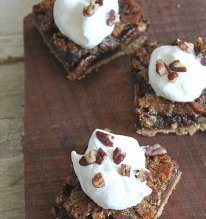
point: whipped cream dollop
(188, 85)
(119, 192)
(86, 31)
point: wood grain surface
(12, 107)
(60, 115)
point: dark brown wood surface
(60, 115)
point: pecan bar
(79, 61)
(164, 175)
(155, 114)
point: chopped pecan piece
(98, 181)
(200, 45)
(99, 2)
(155, 150)
(161, 68)
(185, 46)
(199, 105)
(202, 59)
(101, 156)
(118, 155)
(172, 76)
(165, 169)
(89, 10)
(113, 17)
(125, 170)
(104, 138)
(177, 66)
(88, 158)
(143, 175)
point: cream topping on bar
(86, 22)
(113, 182)
(175, 74)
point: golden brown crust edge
(169, 192)
(150, 211)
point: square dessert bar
(79, 61)
(156, 114)
(72, 202)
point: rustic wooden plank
(12, 90)
(12, 186)
(11, 107)
(60, 115)
(11, 27)
(11, 141)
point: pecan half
(155, 150)
(143, 175)
(125, 170)
(88, 158)
(161, 68)
(172, 76)
(113, 17)
(177, 66)
(185, 46)
(89, 10)
(104, 138)
(98, 181)
(101, 156)
(118, 155)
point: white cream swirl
(86, 31)
(120, 192)
(188, 86)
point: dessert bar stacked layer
(72, 202)
(156, 114)
(79, 61)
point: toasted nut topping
(172, 76)
(99, 2)
(113, 17)
(202, 59)
(125, 170)
(161, 68)
(155, 150)
(199, 105)
(200, 45)
(89, 10)
(88, 158)
(107, 130)
(165, 169)
(118, 155)
(101, 156)
(200, 49)
(104, 138)
(177, 66)
(143, 175)
(83, 161)
(98, 181)
(185, 46)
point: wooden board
(60, 115)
